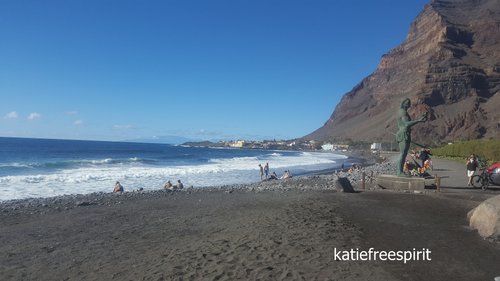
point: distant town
(306, 145)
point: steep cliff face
(448, 65)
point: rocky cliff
(448, 65)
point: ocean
(48, 167)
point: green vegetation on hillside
(485, 149)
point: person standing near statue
(403, 136)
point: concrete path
(454, 182)
(452, 173)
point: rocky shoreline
(322, 180)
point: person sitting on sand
(179, 185)
(353, 168)
(168, 186)
(286, 175)
(273, 176)
(118, 188)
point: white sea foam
(14, 165)
(99, 178)
(104, 161)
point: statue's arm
(410, 123)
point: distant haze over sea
(163, 139)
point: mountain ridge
(448, 65)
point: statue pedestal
(400, 183)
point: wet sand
(286, 233)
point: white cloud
(78, 122)
(34, 115)
(12, 115)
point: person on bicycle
(471, 168)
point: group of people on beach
(264, 173)
(410, 168)
(167, 186)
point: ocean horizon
(51, 167)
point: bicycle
(482, 180)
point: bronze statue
(403, 136)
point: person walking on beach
(266, 170)
(261, 172)
(471, 168)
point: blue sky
(219, 69)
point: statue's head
(406, 103)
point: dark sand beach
(265, 231)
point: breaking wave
(54, 178)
